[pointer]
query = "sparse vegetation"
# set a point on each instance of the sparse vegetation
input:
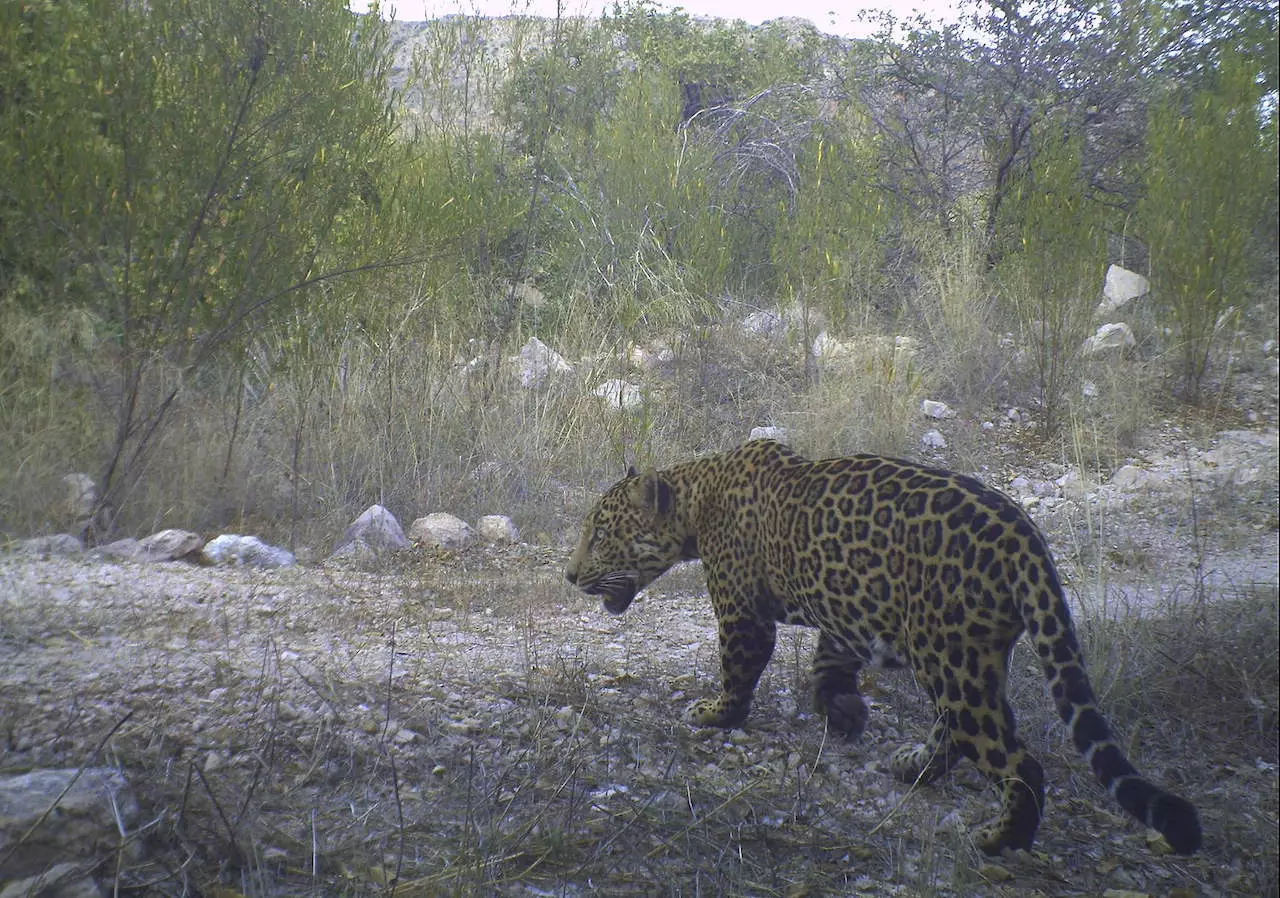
(257, 272)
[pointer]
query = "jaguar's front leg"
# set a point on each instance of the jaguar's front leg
(746, 645)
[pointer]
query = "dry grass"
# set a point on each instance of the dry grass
(465, 725)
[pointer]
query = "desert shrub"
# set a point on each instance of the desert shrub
(1210, 180)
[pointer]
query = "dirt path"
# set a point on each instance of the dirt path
(471, 723)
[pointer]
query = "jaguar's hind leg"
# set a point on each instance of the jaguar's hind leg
(835, 688)
(927, 762)
(983, 729)
(1003, 757)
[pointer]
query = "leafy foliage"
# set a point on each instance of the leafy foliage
(216, 201)
(1052, 271)
(222, 158)
(1210, 175)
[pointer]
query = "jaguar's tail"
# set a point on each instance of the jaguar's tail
(1044, 611)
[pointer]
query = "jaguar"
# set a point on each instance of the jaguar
(896, 564)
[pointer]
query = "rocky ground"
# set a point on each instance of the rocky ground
(463, 723)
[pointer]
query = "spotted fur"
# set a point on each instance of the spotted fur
(896, 564)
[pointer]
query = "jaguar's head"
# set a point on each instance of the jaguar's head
(630, 538)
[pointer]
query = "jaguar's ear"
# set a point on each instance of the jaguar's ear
(652, 492)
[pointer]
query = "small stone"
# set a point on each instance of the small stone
(169, 545)
(1110, 339)
(537, 363)
(619, 395)
(49, 546)
(442, 529)
(934, 440)
(230, 548)
(932, 408)
(498, 528)
(374, 532)
(1122, 286)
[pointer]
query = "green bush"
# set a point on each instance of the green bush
(1211, 179)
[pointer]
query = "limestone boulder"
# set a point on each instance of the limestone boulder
(82, 823)
(50, 546)
(619, 395)
(1110, 339)
(1121, 287)
(444, 530)
(375, 532)
(498, 528)
(169, 545)
(537, 363)
(244, 551)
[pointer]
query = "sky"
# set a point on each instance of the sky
(832, 16)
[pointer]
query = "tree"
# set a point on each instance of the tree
(1210, 180)
(1051, 270)
(183, 170)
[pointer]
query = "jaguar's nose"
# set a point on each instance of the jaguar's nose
(571, 575)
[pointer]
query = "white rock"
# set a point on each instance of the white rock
(169, 545)
(618, 394)
(1073, 485)
(1241, 457)
(1043, 489)
(1121, 287)
(1089, 390)
(374, 532)
(932, 408)
(827, 347)
(230, 548)
(1131, 477)
(442, 529)
(769, 433)
(498, 528)
(652, 357)
(1110, 339)
(934, 440)
(765, 324)
(49, 546)
(538, 362)
(124, 549)
(83, 823)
